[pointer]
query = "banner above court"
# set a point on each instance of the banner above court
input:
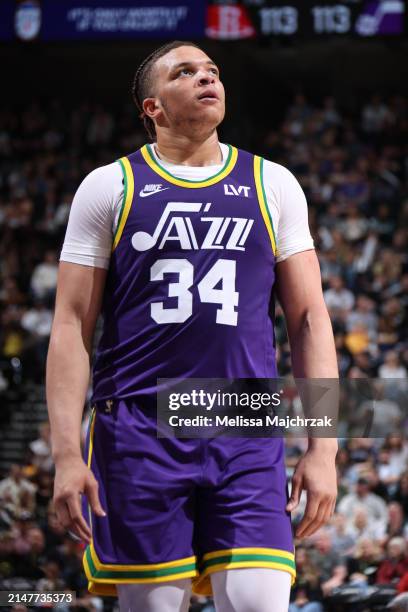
(48, 20)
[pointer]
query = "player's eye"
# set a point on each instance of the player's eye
(185, 72)
(214, 71)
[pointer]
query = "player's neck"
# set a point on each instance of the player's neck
(187, 152)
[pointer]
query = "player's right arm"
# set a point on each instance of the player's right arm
(79, 295)
(81, 281)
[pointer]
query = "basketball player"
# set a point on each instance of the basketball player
(181, 245)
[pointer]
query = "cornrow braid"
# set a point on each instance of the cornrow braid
(142, 82)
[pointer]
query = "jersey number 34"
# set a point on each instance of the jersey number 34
(223, 271)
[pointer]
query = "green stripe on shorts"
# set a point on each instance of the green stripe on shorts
(242, 557)
(133, 574)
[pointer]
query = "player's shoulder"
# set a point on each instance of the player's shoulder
(103, 184)
(102, 187)
(104, 174)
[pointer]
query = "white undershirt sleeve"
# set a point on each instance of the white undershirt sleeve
(288, 208)
(93, 217)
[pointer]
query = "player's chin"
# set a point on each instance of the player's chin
(214, 110)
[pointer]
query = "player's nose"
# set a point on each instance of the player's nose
(205, 78)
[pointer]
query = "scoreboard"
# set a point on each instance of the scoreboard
(306, 19)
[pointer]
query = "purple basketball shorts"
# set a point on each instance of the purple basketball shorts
(181, 508)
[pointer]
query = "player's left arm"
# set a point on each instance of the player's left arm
(299, 290)
(313, 352)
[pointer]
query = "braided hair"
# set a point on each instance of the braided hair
(142, 82)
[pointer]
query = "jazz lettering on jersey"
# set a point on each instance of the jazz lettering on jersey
(229, 233)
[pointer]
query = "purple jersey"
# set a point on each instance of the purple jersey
(190, 284)
(188, 294)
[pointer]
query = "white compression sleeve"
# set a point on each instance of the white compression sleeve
(166, 597)
(251, 589)
(288, 208)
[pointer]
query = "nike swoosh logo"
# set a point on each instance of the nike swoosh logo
(145, 194)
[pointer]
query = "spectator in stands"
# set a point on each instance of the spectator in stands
(392, 367)
(361, 453)
(44, 277)
(387, 416)
(365, 558)
(376, 115)
(331, 564)
(19, 532)
(329, 264)
(29, 558)
(395, 565)
(394, 316)
(10, 293)
(52, 580)
(396, 526)
(17, 494)
(41, 449)
(13, 339)
(357, 339)
(363, 313)
(354, 227)
(382, 223)
(359, 527)
(331, 114)
(388, 471)
(376, 485)
(362, 498)
(36, 322)
(342, 541)
(338, 299)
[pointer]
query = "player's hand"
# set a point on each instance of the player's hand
(316, 473)
(72, 479)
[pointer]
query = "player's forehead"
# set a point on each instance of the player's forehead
(181, 56)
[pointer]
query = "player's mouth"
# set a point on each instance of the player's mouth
(208, 96)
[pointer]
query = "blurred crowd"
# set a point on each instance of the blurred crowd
(353, 168)
(354, 171)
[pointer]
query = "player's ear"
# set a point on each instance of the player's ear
(151, 107)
